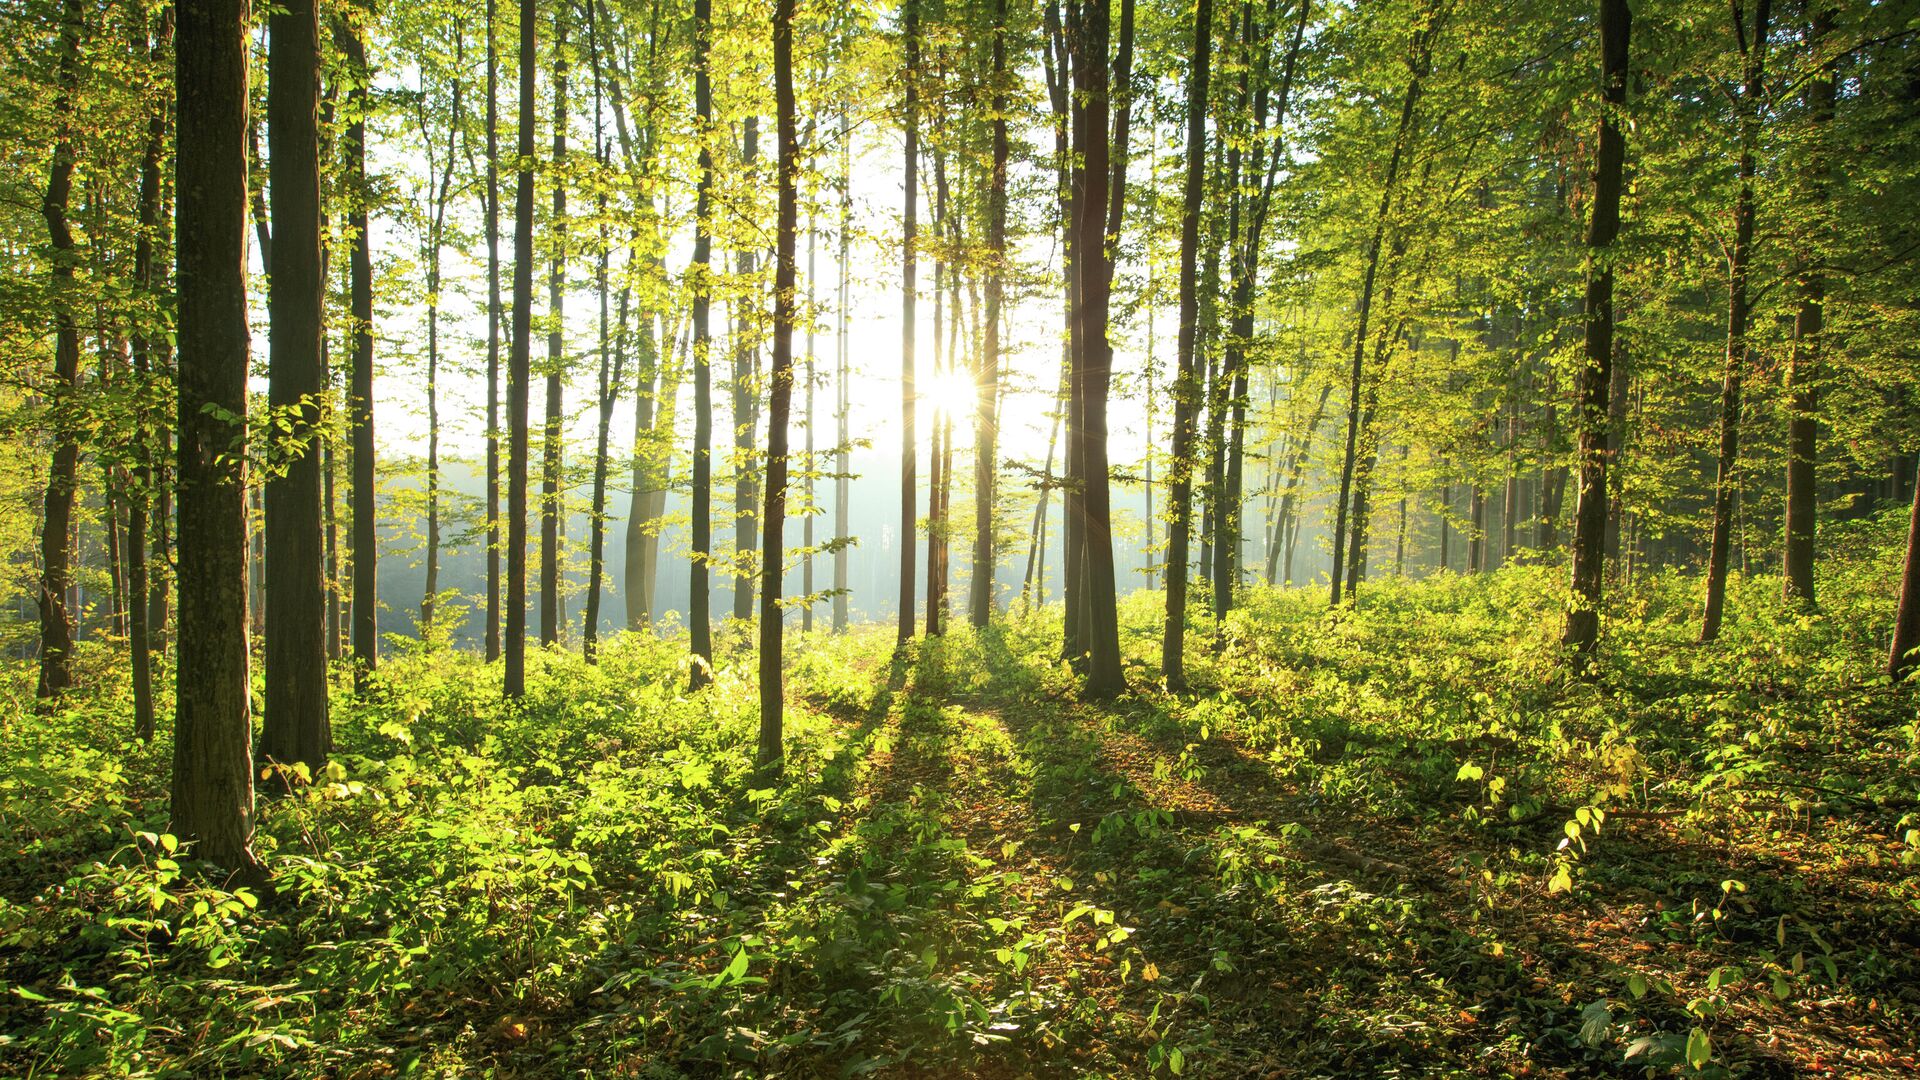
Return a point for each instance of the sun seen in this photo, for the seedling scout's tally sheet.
(950, 392)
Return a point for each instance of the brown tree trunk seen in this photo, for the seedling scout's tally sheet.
(492, 196)
(553, 436)
(746, 400)
(909, 524)
(1905, 652)
(612, 365)
(365, 541)
(1185, 391)
(1596, 375)
(212, 753)
(1803, 357)
(56, 519)
(296, 728)
(148, 354)
(519, 366)
(699, 618)
(987, 406)
(780, 397)
(1738, 315)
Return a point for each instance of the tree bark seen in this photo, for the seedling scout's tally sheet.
(296, 728)
(212, 804)
(148, 354)
(780, 397)
(519, 364)
(1803, 357)
(746, 398)
(365, 541)
(1739, 314)
(700, 555)
(492, 195)
(909, 524)
(1904, 655)
(1596, 375)
(986, 469)
(553, 436)
(842, 356)
(56, 518)
(1185, 391)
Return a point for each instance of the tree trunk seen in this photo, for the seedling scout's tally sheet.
(520, 365)
(365, 541)
(56, 519)
(148, 354)
(780, 396)
(492, 196)
(1738, 315)
(909, 526)
(842, 461)
(1803, 357)
(296, 728)
(700, 554)
(746, 400)
(1423, 44)
(807, 420)
(1905, 652)
(1596, 375)
(212, 755)
(987, 386)
(611, 366)
(553, 436)
(1185, 392)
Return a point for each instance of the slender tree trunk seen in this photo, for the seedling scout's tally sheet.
(492, 196)
(1596, 375)
(611, 365)
(553, 437)
(520, 364)
(813, 468)
(1616, 446)
(212, 806)
(1905, 652)
(442, 193)
(909, 524)
(1738, 315)
(986, 427)
(1803, 357)
(366, 537)
(780, 396)
(147, 356)
(56, 518)
(700, 555)
(1296, 472)
(746, 399)
(842, 463)
(1477, 536)
(1185, 392)
(1423, 46)
(296, 728)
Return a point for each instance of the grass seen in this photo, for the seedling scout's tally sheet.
(1401, 840)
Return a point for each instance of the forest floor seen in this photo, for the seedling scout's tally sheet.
(1402, 841)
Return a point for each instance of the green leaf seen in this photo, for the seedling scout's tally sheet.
(1699, 1049)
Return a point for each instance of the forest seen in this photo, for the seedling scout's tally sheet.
(931, 538)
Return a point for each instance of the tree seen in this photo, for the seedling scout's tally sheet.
(1595, 381)
(366, 535)
(780, 395)
(1904, 655)
(519, 365)
(1753, 50)
(56, 518)
(987, 404)
(492, 196)
(1186, 390)
(553, 435)
(1809, 323)
(213, 729)
(746, 393)
(910, 122)
(146, 612)
(700, 557)
(296, 727)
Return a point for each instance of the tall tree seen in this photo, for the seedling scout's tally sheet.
(146, 614)
(439, 196)
(212, 804)
(366, 535)
(612, 370)
(842, 455)
(780, 394)
(910, 121)
(553, 435)
(296, 728)
(56, 518)
(492, 195)
(1749, 103)
(700, 557)
(1186, 390)
(1809, 324)
(1904, 655)
(1596, 374)
(987, 404)
(520, 363)
(746, 395)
